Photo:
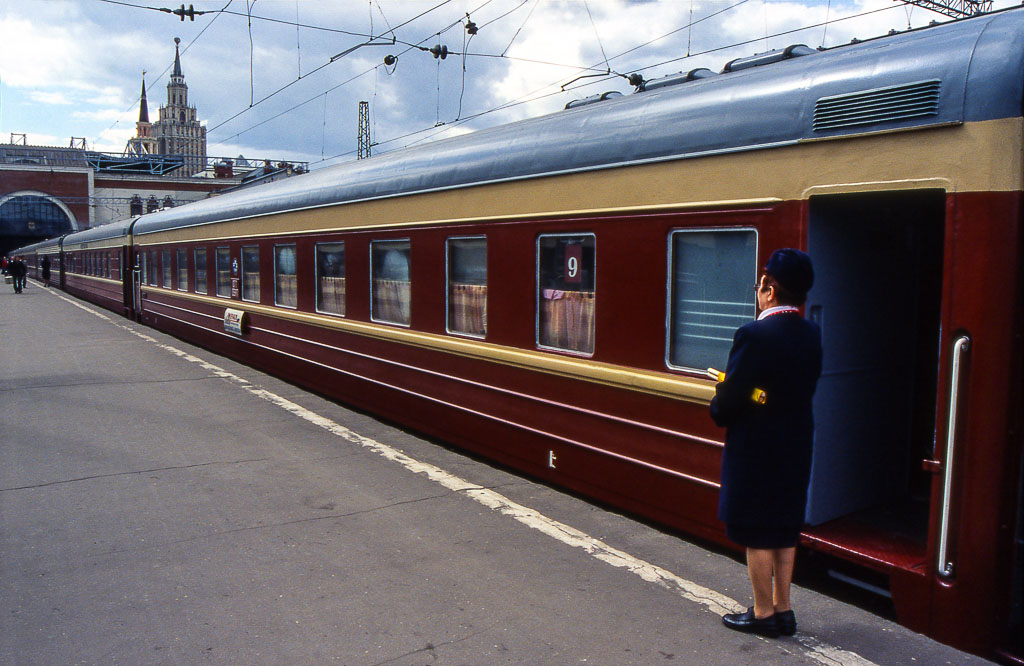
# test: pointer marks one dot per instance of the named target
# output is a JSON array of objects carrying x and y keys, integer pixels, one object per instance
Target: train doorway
[{"x": 877, "y": 297}]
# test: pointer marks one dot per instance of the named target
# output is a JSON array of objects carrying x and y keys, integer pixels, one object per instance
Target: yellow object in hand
[{"x": 758, "y": 396}]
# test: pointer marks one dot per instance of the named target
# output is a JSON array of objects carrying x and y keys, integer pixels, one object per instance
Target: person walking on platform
[
  {"x": 18, "y": 271},
  {"x": 45, "y": 271},
  {"x": 766, "y": 464}
]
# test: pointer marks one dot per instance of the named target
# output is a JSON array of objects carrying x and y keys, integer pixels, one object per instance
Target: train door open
[{"x": 877, "y": 296}]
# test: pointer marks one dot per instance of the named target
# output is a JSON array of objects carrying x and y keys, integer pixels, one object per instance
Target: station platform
[{"x": 160, "y": 504}]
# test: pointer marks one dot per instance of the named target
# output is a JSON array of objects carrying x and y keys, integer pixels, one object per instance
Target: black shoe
[
  {"x": 746, "y": 622},
  {"x": 787, "y": 622}
]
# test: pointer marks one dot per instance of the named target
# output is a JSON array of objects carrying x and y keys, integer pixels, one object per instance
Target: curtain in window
[
  {"x": 468, "y": 308},
  {"x": 391, "y": 301},
  {"x": 223, "y": 283},
  {"x": 287, "y": 291},
  {"x": 251, "y": 286},
  {"x": 567, "y": 320},
  {"x": 332, "y": 295}
]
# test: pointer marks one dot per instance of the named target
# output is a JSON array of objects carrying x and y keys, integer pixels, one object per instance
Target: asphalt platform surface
[{"x": 160, "y": 504}]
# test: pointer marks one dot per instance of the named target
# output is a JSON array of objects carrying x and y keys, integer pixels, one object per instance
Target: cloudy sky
[{"x": 282, "y": 79}]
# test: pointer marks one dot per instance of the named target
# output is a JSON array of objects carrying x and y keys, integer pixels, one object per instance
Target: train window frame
[
  {"x": 319, "y": 266},
  {"x": 182, "y": 268},
  {"x": 246, "y": 288},
  {"x": 539, "y": 290},
  {"x": 294, "y": 274},
  {"x": 745, "y": 285},
  {"x": 206, "y": 271},
  {"x": 226, "y": 253},
  {"x": 448, "y": 263},
  {"x": 166, "y": 269},
  {"x": 392, "y": 245}
]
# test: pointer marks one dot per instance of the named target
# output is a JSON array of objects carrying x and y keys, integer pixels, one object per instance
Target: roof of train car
[
  {"x": 103, "y": 232},
  {"x": 973, "y": 70},
  {"x": 36, "y": 247}
]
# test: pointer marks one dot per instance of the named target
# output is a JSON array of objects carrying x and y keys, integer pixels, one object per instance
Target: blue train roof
[
  {"x": 35, "y": 248},
  {"x": 103, "y": 232},
  {"x": 962, "y": 71}
]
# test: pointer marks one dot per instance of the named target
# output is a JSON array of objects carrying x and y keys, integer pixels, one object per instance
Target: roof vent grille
[{"x": 881, "y": 105}]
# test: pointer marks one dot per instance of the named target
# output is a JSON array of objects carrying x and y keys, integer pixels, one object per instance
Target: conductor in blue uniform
[{"x": 766, "y": 464}]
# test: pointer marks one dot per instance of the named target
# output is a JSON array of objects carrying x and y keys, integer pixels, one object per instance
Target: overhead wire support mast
[
  {"x": 954, "y": 8},
  {"x": 364, "y": 131}
]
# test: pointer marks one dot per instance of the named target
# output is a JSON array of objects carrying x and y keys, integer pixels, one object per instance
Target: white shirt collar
[{"x": 777, "y": 310}]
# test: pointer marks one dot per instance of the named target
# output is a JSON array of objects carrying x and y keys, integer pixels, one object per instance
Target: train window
[
  {"x": 200, "y": 259},
  {"x": 330, "y": 278},
  {"x": 143, "y": 267},
  {"x": 182, "y": 270},
  {"x": 152, "y": 268},
  {"x": 711, "y": 273},
  {"x": 285, "y": 288},
  {"x": 251, "y": 273},
  {"x": 106, "y": 265},
  {"x": 565, "y": 298},
  {"x": 467, "y": 286},
  {"x": 391, "y": 297},
  {"x": 224, "y": 272},
  {"x": 165, "y": 268}
]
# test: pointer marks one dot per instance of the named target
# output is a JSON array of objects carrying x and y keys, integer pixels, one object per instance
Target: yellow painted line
[{"x": 698, "y": 390}]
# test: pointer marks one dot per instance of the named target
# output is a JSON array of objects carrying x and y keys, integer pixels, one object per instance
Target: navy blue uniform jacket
[{"x": 766, "y": 465}]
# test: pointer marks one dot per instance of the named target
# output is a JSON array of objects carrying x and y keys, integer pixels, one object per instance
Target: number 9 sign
[{"x": 573, "y": 257}]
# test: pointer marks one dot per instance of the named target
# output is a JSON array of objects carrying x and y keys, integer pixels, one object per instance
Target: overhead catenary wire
[
  {"x": 317, "y": 69},
  {"x": 216, "y": 13},
  {"x": 536, "y": 95},
  {"x": 411, "y": 47}
]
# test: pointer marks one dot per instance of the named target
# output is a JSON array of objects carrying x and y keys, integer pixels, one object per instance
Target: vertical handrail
[{"x": 944, "y": 565}]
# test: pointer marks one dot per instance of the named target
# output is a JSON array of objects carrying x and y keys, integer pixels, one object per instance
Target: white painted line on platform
[{"x": 711, "y": 600}]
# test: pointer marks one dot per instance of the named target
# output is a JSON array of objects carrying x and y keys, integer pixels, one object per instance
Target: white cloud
[
  {"x": 89, "y": 56},
  {"x": 54, "y": 98}
]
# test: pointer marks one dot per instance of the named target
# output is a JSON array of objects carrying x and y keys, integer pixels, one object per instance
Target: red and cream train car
[{"x": 550, "y": 293}]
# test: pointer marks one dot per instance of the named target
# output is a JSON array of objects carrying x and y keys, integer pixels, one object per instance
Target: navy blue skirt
[{"x": 759, "y": 536}]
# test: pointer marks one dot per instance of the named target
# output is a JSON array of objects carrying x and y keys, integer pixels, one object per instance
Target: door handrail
[{"x": 944, "y": 564}]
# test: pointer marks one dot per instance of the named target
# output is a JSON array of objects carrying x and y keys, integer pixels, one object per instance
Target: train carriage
[
  {"x": 34, "y": 255},
  {"x": 95, "y": 265},
  {"x": 550, "y": 294}
]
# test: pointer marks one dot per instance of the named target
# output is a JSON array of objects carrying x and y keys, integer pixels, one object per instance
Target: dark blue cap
[{"x": 792, "y": 270}]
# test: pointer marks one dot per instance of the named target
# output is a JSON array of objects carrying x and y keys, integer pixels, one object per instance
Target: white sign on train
[{"x": 234, "y": 321}]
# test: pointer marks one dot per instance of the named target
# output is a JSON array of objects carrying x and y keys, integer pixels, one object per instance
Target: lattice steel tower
[
  {"x": 954, "y": 8},
  {"x": 364, "y": 130}
]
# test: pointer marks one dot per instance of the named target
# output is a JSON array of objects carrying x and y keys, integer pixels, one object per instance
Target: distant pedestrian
[
  {"x": 46, "y": 271},
  {"x": 766, "y": 464},
  {"x": 18, "y": 271}
]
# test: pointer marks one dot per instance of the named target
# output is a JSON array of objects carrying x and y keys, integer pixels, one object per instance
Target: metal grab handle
[{"x": 944, "y": 565}]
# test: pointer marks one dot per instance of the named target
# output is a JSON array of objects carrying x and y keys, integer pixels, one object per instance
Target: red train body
[{"x": 556, "y": 320}]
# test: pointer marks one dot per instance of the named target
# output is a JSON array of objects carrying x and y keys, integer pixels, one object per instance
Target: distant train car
[
  {"x": 34, "y": 255},
  {"x": 97, "y": 268},
  {"x": 550, "y": 293}
]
